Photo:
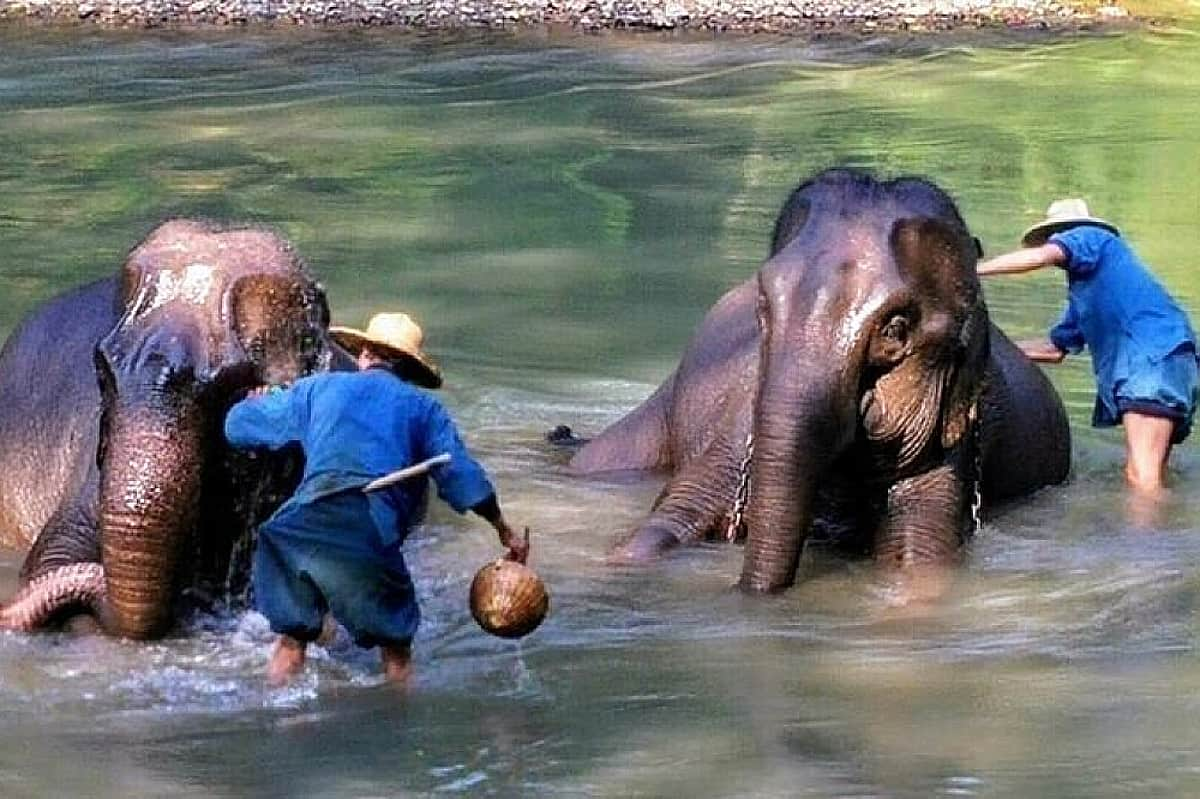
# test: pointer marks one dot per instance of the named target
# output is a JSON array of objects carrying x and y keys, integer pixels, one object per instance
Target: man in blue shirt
[
  {"x": 1143, "y": 349},
  {"x": 332, "y": 546}
]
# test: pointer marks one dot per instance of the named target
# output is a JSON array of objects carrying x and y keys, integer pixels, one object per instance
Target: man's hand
[
  {"x": 518, "y": 547},
  {"x": 264, "y": 390},
  {"x": 1041, "y": 351}
]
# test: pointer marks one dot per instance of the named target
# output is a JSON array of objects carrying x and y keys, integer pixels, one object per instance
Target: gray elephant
[
  {"x": 853, "y": 389},
  {"x": 112, "y": 396}
]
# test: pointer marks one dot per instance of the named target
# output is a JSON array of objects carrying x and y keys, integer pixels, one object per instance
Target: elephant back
[
  {"x": 49, "y": 405},
  {"x": 1026, "y": 435}
]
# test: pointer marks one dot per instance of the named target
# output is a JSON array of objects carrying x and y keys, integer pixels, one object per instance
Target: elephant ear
[
  {"x": 939, "y": 257},
  {"x": 280, "y": 322},
  {"x": 961, "y": 406}
]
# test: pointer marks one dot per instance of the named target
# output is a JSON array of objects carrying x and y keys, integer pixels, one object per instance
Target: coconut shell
[{"x": 508, "y": 599}]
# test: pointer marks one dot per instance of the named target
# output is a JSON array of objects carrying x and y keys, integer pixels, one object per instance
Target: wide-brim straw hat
[
  {"x": 397, "y": 337},
  {"x": 1063, "y": 214}
]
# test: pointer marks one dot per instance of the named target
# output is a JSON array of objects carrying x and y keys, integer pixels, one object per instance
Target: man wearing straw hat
[
  {"x": 335, "y": 545},
  {"x": 1143, "y": 349}
]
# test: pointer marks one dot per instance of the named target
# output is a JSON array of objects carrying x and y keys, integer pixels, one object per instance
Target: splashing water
[{"x": 559, "y": 215}]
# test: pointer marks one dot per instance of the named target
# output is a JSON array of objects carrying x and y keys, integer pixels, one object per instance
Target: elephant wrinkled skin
[
  {"x": 854, "y": 389},
  {"x": 113, "y": 467}
]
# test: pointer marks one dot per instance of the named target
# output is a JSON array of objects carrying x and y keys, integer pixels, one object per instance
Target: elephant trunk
[
  {"x": 149, "y": 498},
  {"x": 39, "y": 599},
  {"x": 804, "y": 417},
  {"x": 791, "y": 452}
]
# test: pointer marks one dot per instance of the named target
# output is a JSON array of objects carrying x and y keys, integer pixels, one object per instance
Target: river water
[{"x": 560, "y": 213}]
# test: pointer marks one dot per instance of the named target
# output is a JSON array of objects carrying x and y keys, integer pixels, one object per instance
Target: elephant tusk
[{"x": 37, "y": 601}]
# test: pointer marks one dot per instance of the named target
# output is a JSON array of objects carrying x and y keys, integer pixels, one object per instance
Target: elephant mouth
[
  {"x": 178, "y": 505},
  {"x": 883, "y": 449},
  {"x": 899, "y": 428},
  {"x": 241, "y": 488}
]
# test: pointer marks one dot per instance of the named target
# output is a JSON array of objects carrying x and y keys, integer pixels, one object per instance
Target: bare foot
[
  {"x": 329, "y": 629},
  {"x": 286, "y": 661},
  {"x": 397, "y": 663},
  {"x": 1144, "y": 509}
]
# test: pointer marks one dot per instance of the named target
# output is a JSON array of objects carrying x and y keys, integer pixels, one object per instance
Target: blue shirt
[
  {"x": 1117, "y": 309},
  {"x": 354, "y": 427}
]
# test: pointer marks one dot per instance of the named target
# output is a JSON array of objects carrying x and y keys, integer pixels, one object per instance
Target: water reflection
[{"x": 560, "y": 216}]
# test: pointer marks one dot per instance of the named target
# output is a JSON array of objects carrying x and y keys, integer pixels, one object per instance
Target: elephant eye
[
  {"x": 258, "y": 349},
  {"x": 760, "y": 309},
  {"x": 891, "y": 343},
  {"x": 896, "y": 330}
]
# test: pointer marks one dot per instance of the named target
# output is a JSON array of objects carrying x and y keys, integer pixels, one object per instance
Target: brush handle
[{"x": 400, "y": 475}]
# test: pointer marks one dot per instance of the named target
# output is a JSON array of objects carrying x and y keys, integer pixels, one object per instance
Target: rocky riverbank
[{"x": 811, "y": 17}]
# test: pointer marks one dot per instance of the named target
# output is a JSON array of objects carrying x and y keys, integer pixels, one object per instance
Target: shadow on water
[{"x": 560, "y": 214}]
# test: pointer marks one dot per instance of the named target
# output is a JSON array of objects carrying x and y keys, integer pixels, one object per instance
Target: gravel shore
[{"x": 802, "y": 17}]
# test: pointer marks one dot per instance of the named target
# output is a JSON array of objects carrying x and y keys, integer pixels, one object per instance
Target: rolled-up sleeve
[
  {"x": 1066, "y": 335},
  {"x": 271, "y": 420},
  {"x": 462, "y": 483},
  {"x": 1082, "y": 247}
]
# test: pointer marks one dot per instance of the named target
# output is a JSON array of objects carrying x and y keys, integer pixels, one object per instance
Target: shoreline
[{"x": 801, "y": 18}]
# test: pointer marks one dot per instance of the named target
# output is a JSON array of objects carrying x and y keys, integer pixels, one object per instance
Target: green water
[{"x": 559, "y": 214}]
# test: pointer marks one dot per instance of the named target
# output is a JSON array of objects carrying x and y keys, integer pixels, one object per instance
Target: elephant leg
[
  {"x": 700, "y": 500},
  {"x": 921, "y": 535},
  {"x": 69, "y": 537}
]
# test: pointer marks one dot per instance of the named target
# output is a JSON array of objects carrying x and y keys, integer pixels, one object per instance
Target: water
[{"x": 560, "y": 213}]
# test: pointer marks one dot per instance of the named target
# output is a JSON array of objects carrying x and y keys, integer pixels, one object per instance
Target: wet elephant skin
[
  {"x": 113, "y": 470},
  {"x": 853, "y": 388}
]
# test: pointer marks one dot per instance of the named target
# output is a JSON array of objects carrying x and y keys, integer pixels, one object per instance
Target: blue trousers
[
  {"x": 327, "y": 555},
  {"x": 1165, "y": 387}
]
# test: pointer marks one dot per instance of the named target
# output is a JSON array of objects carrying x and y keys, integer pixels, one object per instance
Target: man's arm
[
  {"x": 518, "y": 547},
  {"x": 1026, "y": 259},
  {"x": 265, "y": 418},
  {"x": 1067, "y": 336},
  {"x": 463, "y": 483}
]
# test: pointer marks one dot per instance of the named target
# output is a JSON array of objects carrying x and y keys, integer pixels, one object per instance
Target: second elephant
[{"x": 854, "y": 387}]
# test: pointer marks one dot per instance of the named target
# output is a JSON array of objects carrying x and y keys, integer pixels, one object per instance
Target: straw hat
[
  {"x": 1063, "y": 214},
  {"x": 397, "y": 337}
]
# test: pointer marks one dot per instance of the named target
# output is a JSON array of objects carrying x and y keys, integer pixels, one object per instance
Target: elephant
[
  {"x": 854, "y": 390},
  {"x": 113, "y": 466}
]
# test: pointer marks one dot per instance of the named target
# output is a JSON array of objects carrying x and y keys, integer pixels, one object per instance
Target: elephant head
[
  {"x": 204, "y": 312},
  {"x": 874, "y": 346}
]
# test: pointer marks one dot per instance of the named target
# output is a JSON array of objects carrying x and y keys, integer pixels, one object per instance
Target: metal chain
[
  {"x": 977, "y": 469},
  {"x": 741, "y": 494}
]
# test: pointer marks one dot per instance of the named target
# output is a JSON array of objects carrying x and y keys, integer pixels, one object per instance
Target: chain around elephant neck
[
  {"x": 977, "y": 470},
  {"x": 741, "y": 494}
]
